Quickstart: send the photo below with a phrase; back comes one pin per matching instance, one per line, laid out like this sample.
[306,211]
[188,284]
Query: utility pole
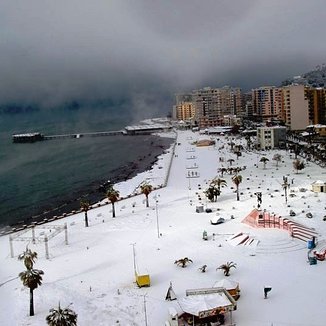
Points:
[145,312]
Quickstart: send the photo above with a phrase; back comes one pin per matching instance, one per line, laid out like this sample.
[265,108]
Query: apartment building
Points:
[295,109]
[212,104]
[184,111]
[271,137]
[267,103]
[317,105]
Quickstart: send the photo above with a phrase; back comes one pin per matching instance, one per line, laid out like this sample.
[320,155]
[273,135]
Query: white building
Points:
[271,137]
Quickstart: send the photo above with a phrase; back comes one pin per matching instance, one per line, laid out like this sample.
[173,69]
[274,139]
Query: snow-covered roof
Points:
[195,304]
[227,284]
[319,182]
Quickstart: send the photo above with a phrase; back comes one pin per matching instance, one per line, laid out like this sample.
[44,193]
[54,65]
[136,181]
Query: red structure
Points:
[263,219]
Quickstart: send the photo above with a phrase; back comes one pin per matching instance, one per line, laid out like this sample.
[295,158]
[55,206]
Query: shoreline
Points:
[94,191]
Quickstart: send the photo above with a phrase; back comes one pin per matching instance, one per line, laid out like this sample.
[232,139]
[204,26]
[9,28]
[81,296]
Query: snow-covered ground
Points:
[95,270]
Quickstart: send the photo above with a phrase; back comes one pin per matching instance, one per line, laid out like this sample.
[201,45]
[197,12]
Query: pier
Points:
[86,134]
[145,129]
[33,137]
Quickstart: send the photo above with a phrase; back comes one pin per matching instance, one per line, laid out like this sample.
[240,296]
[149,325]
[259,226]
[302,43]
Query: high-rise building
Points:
[295,110]
[247,110]
[267,103]
[184,111]
[317,105]
[212,104]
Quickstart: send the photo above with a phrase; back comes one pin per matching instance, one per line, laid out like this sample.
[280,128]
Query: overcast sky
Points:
[62,50]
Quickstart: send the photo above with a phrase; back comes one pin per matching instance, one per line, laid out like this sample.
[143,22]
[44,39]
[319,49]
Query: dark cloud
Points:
[57,51]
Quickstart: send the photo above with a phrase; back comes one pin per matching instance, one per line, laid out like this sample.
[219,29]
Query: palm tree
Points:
[113,196]
[237,153]
[212,192]
[146,189]
[219,183]
[248,139]
[222,171]
[61,317]
[227,267]
[85,204]
[28,256]
[31,278]
[230,160]
[298,165]
[278,158]
[264,160]
[183,262]
[237,179]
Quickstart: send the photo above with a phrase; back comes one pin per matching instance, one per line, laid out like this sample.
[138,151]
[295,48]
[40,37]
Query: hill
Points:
[314,78]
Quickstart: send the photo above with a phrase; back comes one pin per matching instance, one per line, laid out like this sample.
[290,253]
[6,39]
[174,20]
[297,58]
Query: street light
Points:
[157,222]
[285,186]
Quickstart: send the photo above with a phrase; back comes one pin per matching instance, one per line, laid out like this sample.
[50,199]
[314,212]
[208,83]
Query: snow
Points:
[95,272]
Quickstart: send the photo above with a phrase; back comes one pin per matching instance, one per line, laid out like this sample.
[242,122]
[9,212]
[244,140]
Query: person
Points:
[266,290]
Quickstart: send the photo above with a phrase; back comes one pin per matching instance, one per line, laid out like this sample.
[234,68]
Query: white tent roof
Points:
[226,284]
[194,304]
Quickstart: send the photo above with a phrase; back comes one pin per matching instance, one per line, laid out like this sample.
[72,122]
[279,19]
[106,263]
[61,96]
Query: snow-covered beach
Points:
[95,270]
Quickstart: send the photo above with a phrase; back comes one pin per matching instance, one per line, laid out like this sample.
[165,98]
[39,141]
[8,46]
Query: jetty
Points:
[36,136]
[145,129]
[86,134]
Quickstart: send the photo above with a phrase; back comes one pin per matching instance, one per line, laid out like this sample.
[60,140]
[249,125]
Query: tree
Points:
[113,196]
[237,153]
[237,179]
[227,267]
[183,262]
[249,142]
[146,189]
[219,183]
[222,171]
[230,160]
[298,165]
[31,278]
[28,256]
[264,160]
[61,317]
[277,158]
[212,192]
[85,204]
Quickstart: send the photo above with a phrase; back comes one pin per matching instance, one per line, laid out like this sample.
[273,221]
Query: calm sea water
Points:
[41,176]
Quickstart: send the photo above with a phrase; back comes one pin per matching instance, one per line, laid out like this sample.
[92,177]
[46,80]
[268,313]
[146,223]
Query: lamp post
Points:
[157,222]
[285,186]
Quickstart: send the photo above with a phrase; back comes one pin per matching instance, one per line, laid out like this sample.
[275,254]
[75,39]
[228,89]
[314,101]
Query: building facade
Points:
[267,103]
[317,105]
[271,137]
[295,110]
[184,111]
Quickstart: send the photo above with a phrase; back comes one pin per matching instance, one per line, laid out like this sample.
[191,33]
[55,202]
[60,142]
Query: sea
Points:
[50,177]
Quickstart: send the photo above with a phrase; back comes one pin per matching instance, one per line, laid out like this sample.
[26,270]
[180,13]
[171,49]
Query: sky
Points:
[53,52]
